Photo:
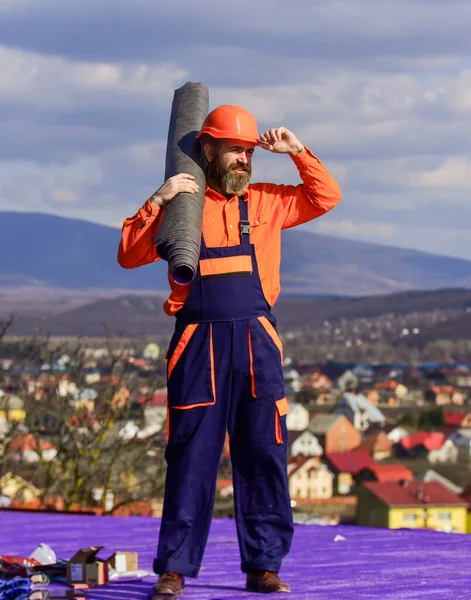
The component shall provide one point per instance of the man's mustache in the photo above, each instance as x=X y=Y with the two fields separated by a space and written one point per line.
x=241 y=167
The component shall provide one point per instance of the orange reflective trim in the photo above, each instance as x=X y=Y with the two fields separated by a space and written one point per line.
x=182 y=344
x=272 y=333
x=223 y=266
x=193 y=406
x=252 y=371
x=279 y=434
x=282 y=406
x=211 y=358
x=213 y=376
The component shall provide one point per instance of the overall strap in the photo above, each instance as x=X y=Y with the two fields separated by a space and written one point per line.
x=244 y=222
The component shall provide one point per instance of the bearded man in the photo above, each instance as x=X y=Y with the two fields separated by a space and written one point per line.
x=225 y=359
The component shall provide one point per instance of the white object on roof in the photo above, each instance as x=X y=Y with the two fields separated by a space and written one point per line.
x=359 y=411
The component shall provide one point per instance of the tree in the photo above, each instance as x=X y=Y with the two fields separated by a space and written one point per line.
x=95 y=465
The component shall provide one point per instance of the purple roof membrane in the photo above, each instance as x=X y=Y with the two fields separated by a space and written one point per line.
x=370 y=563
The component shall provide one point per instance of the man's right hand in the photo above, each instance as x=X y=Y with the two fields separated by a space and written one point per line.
x=173 y=186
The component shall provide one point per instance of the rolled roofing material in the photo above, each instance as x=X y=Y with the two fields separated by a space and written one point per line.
x=178 y=238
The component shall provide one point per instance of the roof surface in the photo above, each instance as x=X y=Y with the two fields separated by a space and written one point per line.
x=430 y=441
x=350 y=462
x=320 y=424
x=377 y=442
x=415 y=493
x=454 y=418
x=359 y=402
x=394 y=473
x=369 y=564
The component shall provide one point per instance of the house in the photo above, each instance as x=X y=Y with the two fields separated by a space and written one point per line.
x=346 y=466
x=448 y=453
x=392 y=391
x=66 y=387
x=378 y=445
x=292 y=379
x=364 y=373
x=419 y=444
x=334 y=432
x=325 y=398
x=120 y=398
x=385 y=473
x=462 y=439
x=454 y=420
x=309 y=479
x=30 y=449
x=399 y=432
x=459 y=377
x=11 y=410
x=320 y=382
x=155 y=409
x=431 y=475
x=413 y=504
x=373 y=397
x=298 y=417
x=348 y=381
x=444 y=394
x=466 y=496
x=225 y=488
x=433 y=446
x=303 y=443
x=359 y=411
x=16 y=488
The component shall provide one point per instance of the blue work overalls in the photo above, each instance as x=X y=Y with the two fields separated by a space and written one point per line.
x=225 y=374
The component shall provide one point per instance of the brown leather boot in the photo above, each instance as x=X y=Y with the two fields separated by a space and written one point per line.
x=168 y=586
x=265 y=582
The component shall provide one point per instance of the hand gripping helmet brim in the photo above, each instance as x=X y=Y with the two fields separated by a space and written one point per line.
x=230 y=122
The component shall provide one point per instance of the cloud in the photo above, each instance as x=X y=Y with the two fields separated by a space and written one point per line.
x=448 y=241
x=381 y=91
x=348 y=228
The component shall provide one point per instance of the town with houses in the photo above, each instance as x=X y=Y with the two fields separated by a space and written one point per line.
x=373 y=445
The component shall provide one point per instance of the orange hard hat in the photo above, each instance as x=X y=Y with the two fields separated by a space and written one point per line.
x=230 y=122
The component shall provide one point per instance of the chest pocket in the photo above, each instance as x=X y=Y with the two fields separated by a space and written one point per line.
x=266 y=359
x=191 y=379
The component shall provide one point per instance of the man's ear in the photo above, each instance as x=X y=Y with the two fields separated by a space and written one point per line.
x=208 y=151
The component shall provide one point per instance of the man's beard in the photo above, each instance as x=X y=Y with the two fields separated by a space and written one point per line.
x=226 y=179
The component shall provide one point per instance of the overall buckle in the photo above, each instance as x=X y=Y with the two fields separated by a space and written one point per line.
x=245 y=227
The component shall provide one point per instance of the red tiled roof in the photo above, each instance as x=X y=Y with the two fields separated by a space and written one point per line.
x=454 y=419
x=431 y=441
x=395 y=473
x=388 y=384
x=223 y=483
x=23 y=443
x=350 y=462
x=443 y=389
x=466 y=494
x=156 y=399
x=415 y=493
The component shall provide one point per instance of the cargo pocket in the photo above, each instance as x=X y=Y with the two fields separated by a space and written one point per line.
x=266 y=359
x=282 y=409
x=191 y=379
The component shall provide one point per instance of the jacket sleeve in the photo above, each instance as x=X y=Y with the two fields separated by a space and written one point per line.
x=136 y=247
x=318 y=193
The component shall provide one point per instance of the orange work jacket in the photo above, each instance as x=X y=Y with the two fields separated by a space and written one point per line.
x=271 y=208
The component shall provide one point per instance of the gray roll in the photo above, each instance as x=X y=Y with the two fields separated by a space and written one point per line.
x=178 y=238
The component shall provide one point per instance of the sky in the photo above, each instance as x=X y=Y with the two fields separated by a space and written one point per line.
x=379 y=90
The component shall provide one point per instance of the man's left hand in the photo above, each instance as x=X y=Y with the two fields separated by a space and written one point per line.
x=280 y=141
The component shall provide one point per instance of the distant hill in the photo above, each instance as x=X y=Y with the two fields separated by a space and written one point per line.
x=131 y=316
x=45 y=250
